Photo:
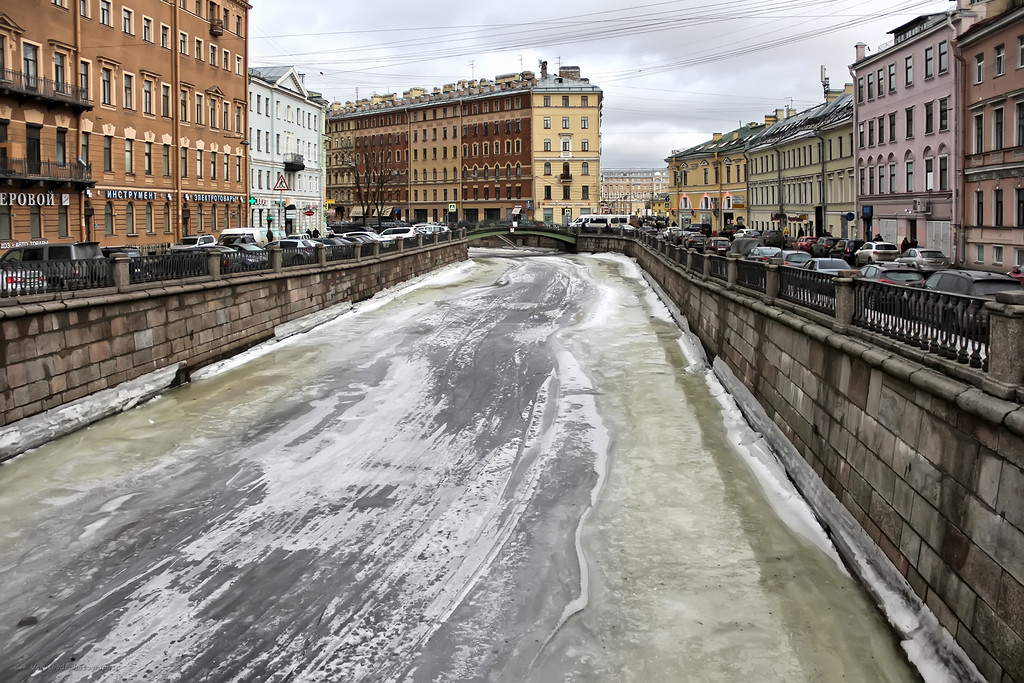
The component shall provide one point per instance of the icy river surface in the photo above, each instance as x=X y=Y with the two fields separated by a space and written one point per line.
x=517 y=469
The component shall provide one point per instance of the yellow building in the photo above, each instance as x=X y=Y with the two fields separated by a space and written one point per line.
x=708 y=182
x=801 y=170
x=632 y=190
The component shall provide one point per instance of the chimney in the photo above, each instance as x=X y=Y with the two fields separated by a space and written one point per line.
x=543 y=70
x=716 y=137
x=862 y=51
x=570 y=72
x=770 y=119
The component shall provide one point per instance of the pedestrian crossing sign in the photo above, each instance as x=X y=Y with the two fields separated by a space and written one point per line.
x=281 y=185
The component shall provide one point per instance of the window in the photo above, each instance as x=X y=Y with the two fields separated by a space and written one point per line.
x=547 y=192
x=83 y=77
x=860 y=89
x=929 y=174
x=225 y=59
x=908 y=71
x=881 y=84
x=147 y=158
x=199 y=49
x=547 y=145
x=83 y=8
x=910 y=176
x=585 y=145
x=944 y=113
x=165 y=37
x=199 y=109
x=105 y=96
x=997 y=128
x=129 y=99
x=892 y=78
x=547 y=168
x=1019 y=115
x=585 y=168
x=943 y=56
x=1020 y=52
x=147 y=29
x=547 y=103
x=166 y=161
x=881 y=130
x=84 y=153
x=199 y=163
x=126 y=20
x=910 y=122
x=584 y=122
x=979 y=207
x=979 y=133
x=165 y=100
x=1020 y=208
x=129 y=218
x=184 y=162
x=108 y=160
x=547 y=122
x=128 y=149
x=1000 y=60
x=105 y=18
x=997 y=206
x=979 y=68
x=59 y=70
x=892 y=132
x=929 y=118
x=871 y=86
x=929 y=62
x=565 y=122
x=183 y=43
x=566 y=144
x=62 y=146
x=213 y=55
x=943 y=173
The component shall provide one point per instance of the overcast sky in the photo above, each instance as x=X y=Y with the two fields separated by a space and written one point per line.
x=673 y=73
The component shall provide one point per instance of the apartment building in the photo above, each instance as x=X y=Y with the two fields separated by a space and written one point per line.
x=122 y=122
x=286 y=124
x=709 y=181
x=800 y=177
x=992 y=131
x=518 y=145
x=633 y=191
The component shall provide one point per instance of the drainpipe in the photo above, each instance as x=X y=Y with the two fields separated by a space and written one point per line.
x=958 y=174
x=824 y=204
x=783 y=223
x=176 y=115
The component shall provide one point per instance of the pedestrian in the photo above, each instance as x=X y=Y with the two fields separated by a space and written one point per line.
x=316 y=233
x=904 y=245
x=270 y=235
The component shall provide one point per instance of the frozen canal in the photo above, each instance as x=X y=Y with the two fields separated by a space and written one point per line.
x=514 y=471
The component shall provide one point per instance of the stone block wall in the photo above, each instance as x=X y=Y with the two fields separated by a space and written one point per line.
x=61 y=350
x=931 y=470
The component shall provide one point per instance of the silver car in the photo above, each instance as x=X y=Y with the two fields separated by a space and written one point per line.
x=925 y=260
x=874 y=252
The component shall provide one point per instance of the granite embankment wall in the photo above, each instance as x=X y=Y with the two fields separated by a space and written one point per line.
x=60 y=350
x=917 y=475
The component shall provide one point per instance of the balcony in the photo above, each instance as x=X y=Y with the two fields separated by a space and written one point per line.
x=32 y=171
x=216 y=27
x=294 y=163
x=27 y=87
x=565 y=177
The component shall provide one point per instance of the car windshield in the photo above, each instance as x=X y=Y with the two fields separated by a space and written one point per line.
x=801 y=257
x=902 y=276
x=831 y=264
x=885 y=247
x=930 y=253
x=992 y=287
x=188 y=240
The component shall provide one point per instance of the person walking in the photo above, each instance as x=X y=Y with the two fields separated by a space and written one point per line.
x=904 y=245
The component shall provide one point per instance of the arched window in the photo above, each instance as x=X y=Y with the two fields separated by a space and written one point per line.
x=108 y=218
x=547 y=168
x=585 y=168
x=727 y=203
x=565 y=169
x=149 y=218
x=519 y=170
x=129 y=219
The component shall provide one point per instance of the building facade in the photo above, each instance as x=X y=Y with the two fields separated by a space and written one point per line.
x=992 y=131
x=801 y=170
x=709 y=182
x=125 y=122
x=633 y=191
x=286 y=125
x=518 y=146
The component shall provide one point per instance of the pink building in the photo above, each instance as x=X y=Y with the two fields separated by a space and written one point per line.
x=907 y=123
x=993 y=133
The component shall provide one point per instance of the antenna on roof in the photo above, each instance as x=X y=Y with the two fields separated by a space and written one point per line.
x=824 y=81
x=472 y=69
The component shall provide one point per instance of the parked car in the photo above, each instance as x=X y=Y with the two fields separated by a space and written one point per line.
x=746 y=232
x=194 y=242
x=925 y=260
x=717 y=245
x=392 y=234
x=892 y=274
x=300 y=250
x=17 y=279
x=832 y=266
x=846 y=250
x=763 y=253
x=774 y=238
x=253 y=255
x=979 y=283
x=741 y=245
x=873 y=252
x=804 y=243
x=361 y=236
x=795 y=258
x=54 y=251
x=63 y=265
x=230 y=236
x=822 y=247
x=130 y=252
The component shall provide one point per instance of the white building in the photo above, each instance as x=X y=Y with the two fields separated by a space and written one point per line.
x=286 y=129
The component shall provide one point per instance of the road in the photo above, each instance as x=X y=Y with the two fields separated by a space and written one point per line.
x=514 y=472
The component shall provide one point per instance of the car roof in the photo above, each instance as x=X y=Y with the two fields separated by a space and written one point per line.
x=975 y=274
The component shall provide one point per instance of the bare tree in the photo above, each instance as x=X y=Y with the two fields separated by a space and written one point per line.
x=374 y=178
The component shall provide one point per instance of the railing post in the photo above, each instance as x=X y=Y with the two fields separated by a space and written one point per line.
x=419 y=241
x=401 y=243
x=213 y=258
x=321 y=254
x=731 y=270
x=375 y=249
x=276 y=259
x=706 y=275
x=122 y=274
x=772 y=279
x=1006 y=329
x=845 y=292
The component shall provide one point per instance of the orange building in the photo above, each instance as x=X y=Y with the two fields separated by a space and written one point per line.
x=122 y=123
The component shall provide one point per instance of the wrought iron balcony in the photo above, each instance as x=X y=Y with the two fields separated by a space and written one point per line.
x=49 y=171
x=294 y=163
x=26 y=86
x=565 y=177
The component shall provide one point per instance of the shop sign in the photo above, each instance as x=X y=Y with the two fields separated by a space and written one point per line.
x=130 y=195
x=229 y=198
x=34 y=199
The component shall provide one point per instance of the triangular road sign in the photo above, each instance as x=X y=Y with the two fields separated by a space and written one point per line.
x=281 y=185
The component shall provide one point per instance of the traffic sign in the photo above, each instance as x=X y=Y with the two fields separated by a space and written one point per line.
x=281 y=185
x=452 y=208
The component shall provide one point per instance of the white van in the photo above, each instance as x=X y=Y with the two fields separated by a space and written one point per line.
x=231 y=235
x=593 y=222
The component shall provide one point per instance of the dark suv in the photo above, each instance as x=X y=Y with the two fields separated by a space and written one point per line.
x=845 y=249
x=978 y=283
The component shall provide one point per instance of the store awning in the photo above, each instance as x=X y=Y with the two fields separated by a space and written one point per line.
x=356 y=212
x=517 y=210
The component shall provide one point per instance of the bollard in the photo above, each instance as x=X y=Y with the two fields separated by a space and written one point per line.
x=213 y=264
x=122 y=273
